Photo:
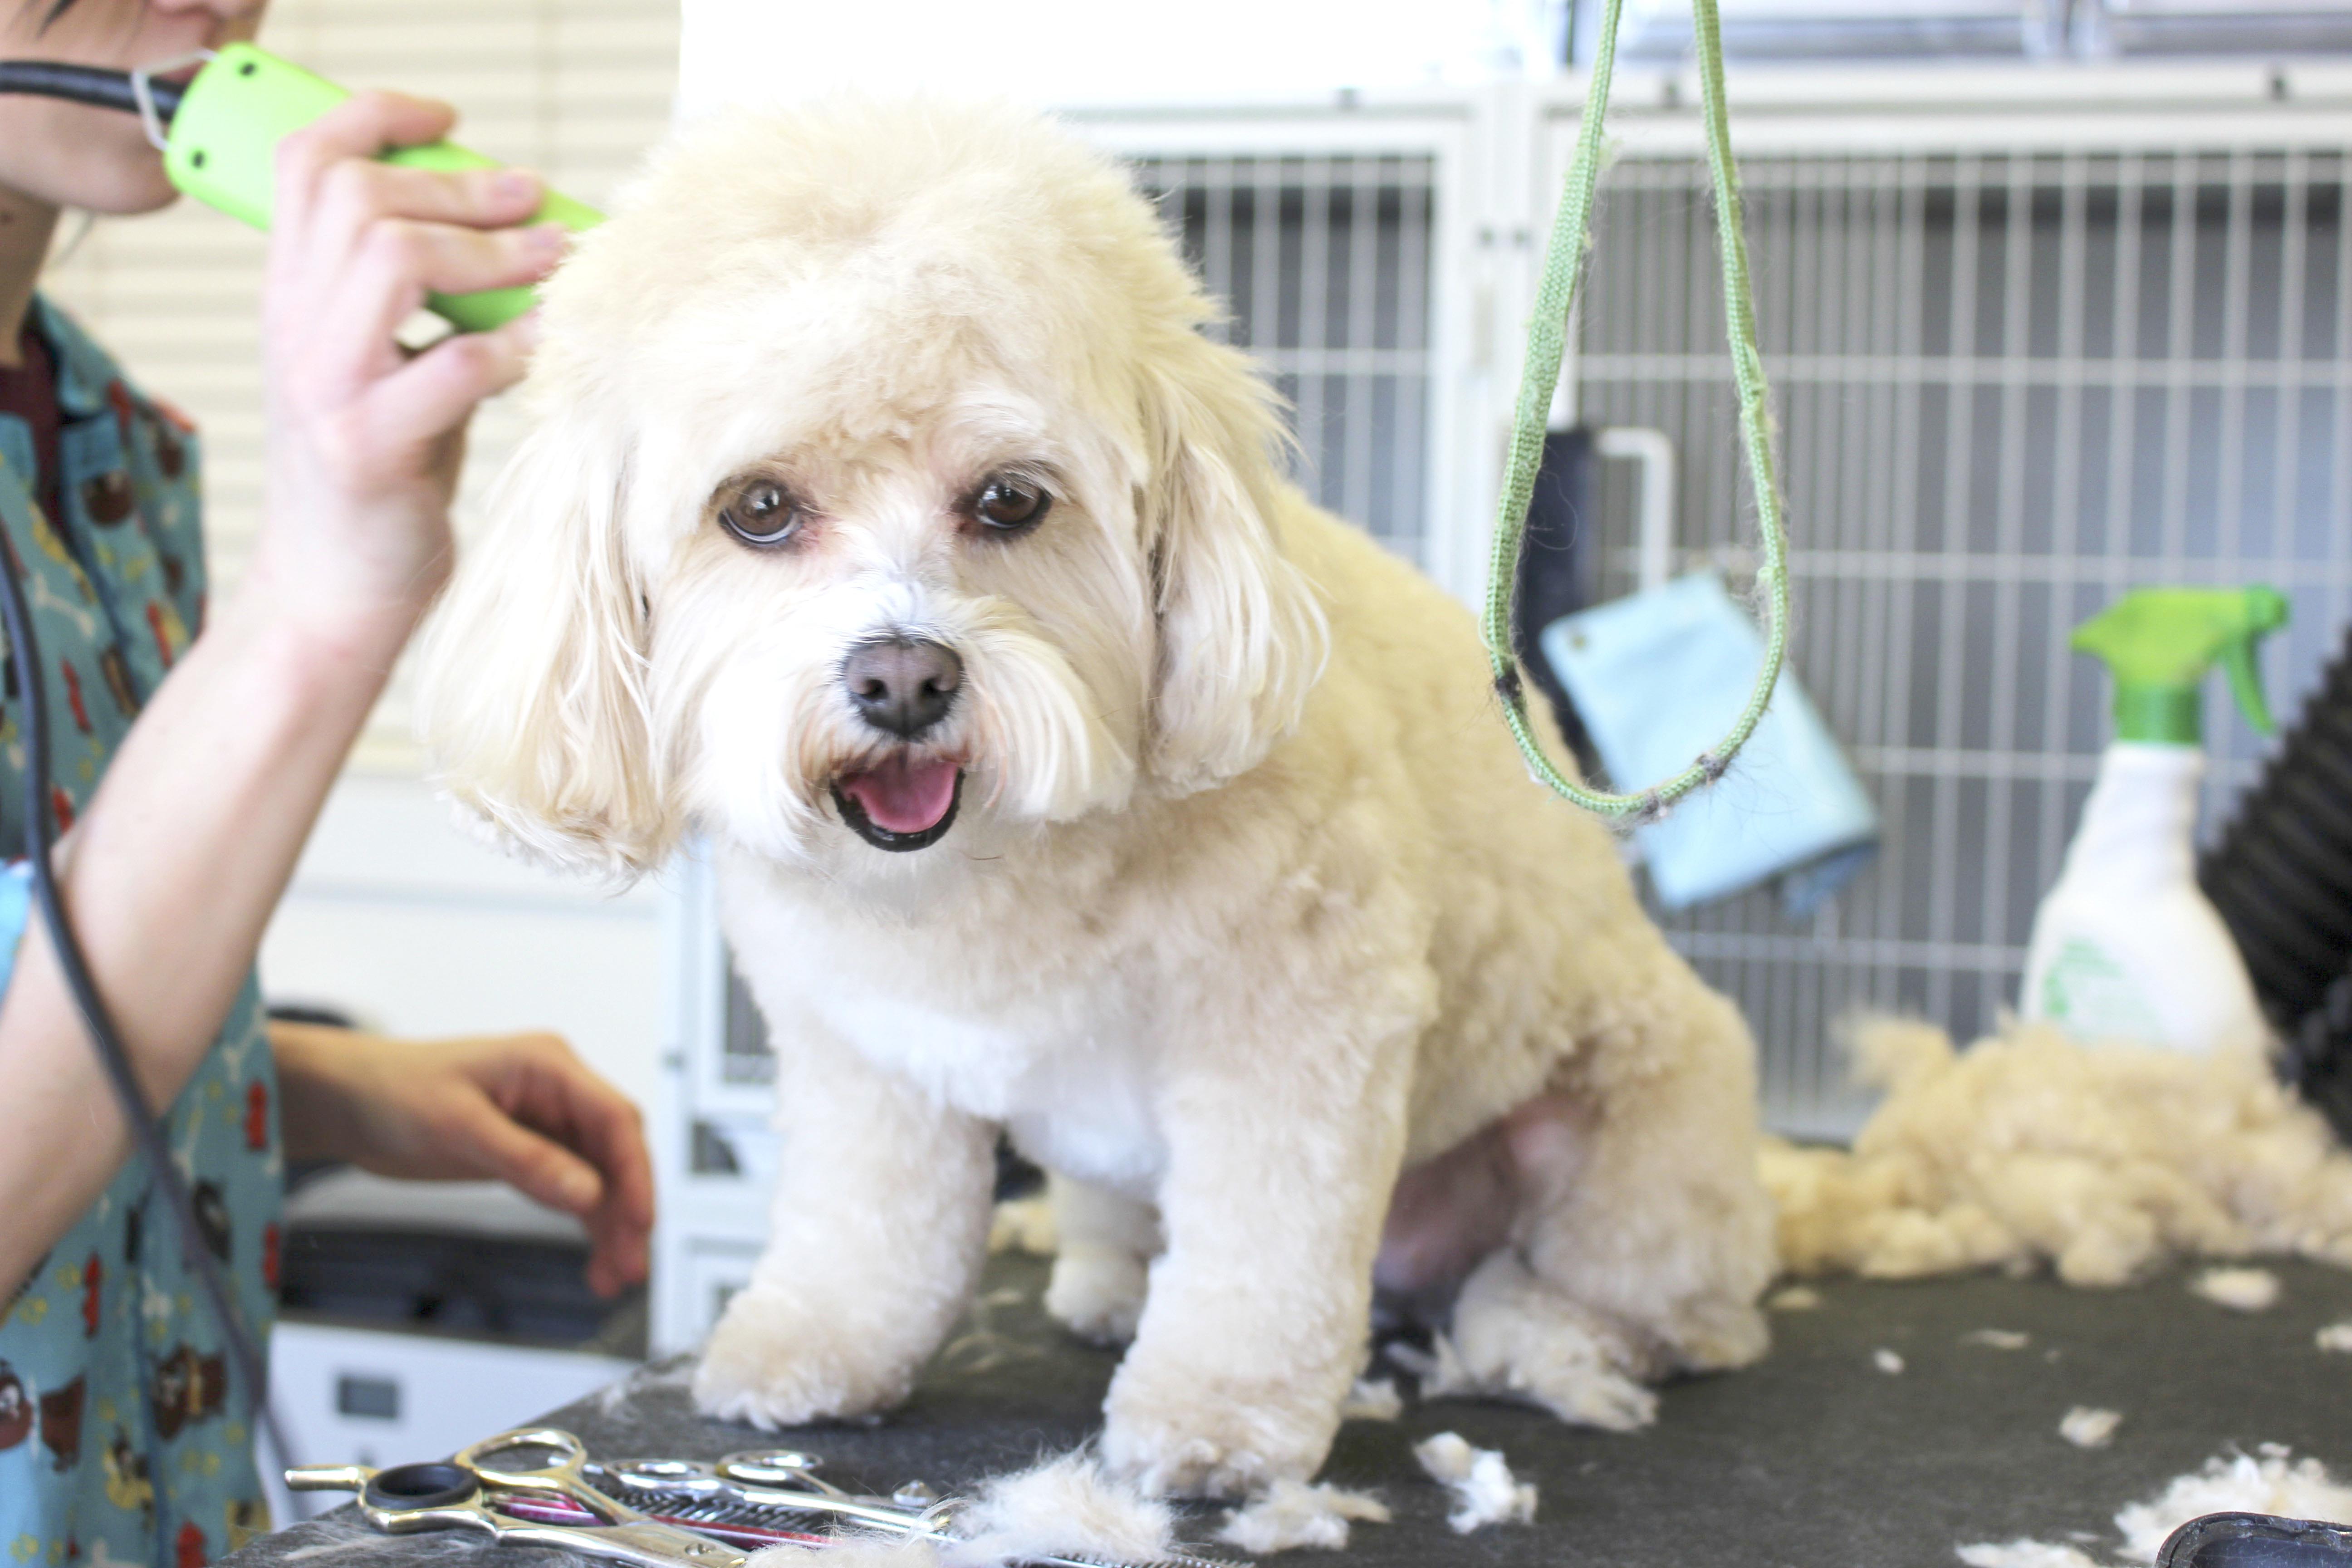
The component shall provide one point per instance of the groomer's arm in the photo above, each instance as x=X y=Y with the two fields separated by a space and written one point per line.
x=171 y=873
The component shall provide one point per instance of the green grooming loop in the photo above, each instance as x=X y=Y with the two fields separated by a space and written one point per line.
x=223 y=151
x=1547 y=342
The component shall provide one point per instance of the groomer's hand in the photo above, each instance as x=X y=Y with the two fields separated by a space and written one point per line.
x=365 y=438
x=520 y=1109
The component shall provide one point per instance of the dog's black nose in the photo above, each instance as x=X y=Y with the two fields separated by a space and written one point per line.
x=901 y=685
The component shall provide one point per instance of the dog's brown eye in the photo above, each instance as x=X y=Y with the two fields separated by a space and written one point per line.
x=761 y=512
x=1009 y=505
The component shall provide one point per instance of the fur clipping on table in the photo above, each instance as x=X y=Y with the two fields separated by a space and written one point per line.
x=1484 y=1491
x=2105 y=1161
x=2264 y=1481
x=1291 y=1514
x=1065 y=1506
x=2240 y=1289
x=2086 y=1428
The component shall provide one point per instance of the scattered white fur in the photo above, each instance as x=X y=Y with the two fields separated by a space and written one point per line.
x=1291 y=1514
x=1997 y=1339
x=1371 y=1400
x=2087 y=1427
x=2025 y=1553
x=1485 y=1491
x=2240 y=1289
x=1023 y=1224
x=1886 y=1361
x=1794 y=1298
x=1204 y=728
x=1067 y=1506
x=2336 y=1337
x=2261 y=1482
x=2102 y=1160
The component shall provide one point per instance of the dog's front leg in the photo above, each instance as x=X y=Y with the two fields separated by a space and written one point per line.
x=874 y=1243
x=1258 y=1308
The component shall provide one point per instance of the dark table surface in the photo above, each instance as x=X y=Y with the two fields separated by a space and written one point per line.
x=1813 y=1458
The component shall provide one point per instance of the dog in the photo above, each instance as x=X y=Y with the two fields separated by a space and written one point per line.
x=887 y=517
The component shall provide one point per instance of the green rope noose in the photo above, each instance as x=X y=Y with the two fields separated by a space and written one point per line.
x=1547 y=340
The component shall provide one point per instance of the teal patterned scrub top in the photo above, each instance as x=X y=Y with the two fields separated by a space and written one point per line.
x=121 y=1438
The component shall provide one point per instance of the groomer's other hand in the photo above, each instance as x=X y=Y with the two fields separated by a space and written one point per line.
x=520 y=1109
x=365 y=439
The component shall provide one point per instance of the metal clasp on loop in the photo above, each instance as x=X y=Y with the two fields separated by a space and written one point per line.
x=143 y=90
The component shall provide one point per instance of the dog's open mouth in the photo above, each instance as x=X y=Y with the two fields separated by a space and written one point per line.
x=906 y=803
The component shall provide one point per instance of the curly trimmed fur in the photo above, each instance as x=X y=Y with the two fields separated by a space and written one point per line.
x=1250 y=906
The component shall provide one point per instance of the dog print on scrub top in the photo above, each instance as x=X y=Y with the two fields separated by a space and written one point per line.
x=123 y=1437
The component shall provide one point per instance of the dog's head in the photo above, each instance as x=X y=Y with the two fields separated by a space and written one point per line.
x=879 y=479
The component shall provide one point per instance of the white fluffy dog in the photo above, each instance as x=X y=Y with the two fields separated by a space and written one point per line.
x=887 y=518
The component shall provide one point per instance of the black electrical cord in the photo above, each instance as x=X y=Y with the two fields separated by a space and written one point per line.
x=40 y=840
x=93 y=85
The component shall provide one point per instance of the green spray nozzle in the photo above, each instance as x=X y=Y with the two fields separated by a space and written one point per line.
x=2160 y=643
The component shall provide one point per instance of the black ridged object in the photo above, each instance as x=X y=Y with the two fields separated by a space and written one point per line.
x=2281 y=876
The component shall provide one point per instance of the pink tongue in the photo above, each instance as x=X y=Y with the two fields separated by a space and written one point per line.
x=903 y=796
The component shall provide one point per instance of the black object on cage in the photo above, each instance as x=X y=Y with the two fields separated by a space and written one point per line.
x=2281 y=876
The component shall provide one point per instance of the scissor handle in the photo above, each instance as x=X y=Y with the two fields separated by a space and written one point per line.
x=433 y=1483
x=560 y=1474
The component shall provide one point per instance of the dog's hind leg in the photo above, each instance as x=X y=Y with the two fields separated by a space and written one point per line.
x=874 y=1243
x=1644 y=1236
x=1106 y=1245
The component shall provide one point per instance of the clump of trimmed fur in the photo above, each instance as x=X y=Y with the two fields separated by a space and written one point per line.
x=2240 y=1289
x=1484 y=1491
x=2105 y=1161
x=1064 y=1506
x=1291 y=1514
x=2264 y=1481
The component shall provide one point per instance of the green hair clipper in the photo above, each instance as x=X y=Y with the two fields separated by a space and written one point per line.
x=220 y=131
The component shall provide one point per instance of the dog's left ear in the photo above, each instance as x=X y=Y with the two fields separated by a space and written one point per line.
x=1242 y=634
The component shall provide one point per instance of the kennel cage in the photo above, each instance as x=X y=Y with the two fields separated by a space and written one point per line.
x=2036 y=335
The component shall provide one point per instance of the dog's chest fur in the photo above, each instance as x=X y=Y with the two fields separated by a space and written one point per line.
x=1048 y=1033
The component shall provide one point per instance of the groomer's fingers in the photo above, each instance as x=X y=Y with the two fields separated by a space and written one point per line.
x=435 y=392
x=608 y=1129
x=539 y=1167
x=353 y=193
x=398 y=261
x=361 y=127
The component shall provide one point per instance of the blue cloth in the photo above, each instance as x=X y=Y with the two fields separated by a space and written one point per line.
x=120 y=1438
x=1660 y=677
x=16 y=909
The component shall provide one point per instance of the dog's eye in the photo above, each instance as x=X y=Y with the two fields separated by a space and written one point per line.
x=1007 y=505
x=762 y=512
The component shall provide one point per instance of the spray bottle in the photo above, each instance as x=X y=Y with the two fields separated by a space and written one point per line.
x=2126 y=946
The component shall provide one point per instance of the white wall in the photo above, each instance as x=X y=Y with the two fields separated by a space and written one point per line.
x=1088 y=51
x=403 y=918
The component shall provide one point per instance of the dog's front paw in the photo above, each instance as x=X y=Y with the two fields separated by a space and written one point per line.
x=774 y=1361
x=1717 y=1336
x=1098 y=1292
x=1209 y=1438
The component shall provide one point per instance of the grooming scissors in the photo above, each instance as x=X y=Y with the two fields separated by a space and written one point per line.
x=549 y=1504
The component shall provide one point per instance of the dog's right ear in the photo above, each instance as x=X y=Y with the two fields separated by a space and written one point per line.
x=533 y=692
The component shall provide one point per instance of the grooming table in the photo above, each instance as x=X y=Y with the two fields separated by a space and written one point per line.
x=1813 y=1458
